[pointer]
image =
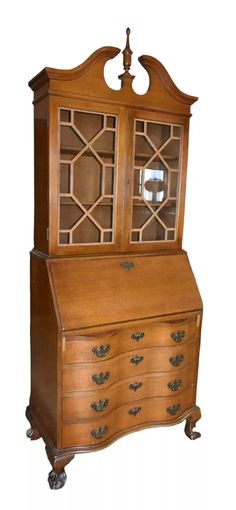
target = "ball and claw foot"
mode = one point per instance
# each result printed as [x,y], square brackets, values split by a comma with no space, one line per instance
[33,434]
[191,423]
[56,480]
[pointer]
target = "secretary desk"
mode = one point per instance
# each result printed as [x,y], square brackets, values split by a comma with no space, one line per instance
[115,309]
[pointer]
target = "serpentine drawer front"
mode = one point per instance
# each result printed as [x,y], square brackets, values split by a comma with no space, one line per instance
[115,309]
[145,334]
[91,376]
[79,405]
[150,410]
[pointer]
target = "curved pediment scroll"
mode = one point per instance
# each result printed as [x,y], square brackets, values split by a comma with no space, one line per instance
[93,64]
[87,82]
[159,76]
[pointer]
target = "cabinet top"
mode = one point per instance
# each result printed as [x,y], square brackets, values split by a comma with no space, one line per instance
[86,81]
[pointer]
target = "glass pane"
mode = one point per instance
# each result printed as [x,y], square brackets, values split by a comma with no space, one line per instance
[70,213]
[139,126]
[154,231]
[171,235]
[167,215]
[105,146]
[177,131]
[89,124]
[171,153]
[65,115]
[71,143]
[64,178]
[135,237]
[87,177]
[140,216]
[174,177]
[103,215]
[107,237]
[86,232]
[143,151]
[109,180]
[154,184]
[64,238]
[111,122]
[158,133]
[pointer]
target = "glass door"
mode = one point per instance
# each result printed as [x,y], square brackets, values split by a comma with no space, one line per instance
[87,178]
[156,181]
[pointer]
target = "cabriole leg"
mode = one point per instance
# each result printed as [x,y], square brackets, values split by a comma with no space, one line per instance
[191,423]
[32,433]
[57,477]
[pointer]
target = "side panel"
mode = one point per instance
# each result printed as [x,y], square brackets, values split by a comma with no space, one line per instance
[41,214]
[44,349]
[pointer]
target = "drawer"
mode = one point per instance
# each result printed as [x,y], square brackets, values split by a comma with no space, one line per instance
[93,376]
[150,334]
[144,412]
[93,404]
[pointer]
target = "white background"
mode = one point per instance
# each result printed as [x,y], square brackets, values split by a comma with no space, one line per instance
[156,468]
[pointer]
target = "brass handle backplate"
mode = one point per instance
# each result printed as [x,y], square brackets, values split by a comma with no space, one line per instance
[100,406]
[135,386]
[137,336]
[101,378]
[178,336]
[100,432]
[175,385]
[173,410]
[177,360]
[101,351]
[134,411]
[136,360]
[127,265]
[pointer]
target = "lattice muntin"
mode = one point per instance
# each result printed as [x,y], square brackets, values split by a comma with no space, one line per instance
[157,149]
[87,177]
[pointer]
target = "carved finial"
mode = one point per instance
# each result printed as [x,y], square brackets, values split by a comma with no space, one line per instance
[127,53]
[127,56]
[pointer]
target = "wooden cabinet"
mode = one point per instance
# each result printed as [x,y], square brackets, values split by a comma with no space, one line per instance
[115,309]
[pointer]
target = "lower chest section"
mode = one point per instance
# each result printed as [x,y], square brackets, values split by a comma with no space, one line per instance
[123,379]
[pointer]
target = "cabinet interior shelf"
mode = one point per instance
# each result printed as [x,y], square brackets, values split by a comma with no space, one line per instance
[102,152]
[73,150]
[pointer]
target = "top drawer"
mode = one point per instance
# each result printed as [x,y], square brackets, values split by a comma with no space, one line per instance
[145,334]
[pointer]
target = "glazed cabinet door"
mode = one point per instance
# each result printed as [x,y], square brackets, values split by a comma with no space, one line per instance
[87,156]
[156,171]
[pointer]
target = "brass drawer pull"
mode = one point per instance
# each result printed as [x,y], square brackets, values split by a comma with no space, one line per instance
[137,336]
[135,386]
[177,360]
[101,378]
[100,432]
[101,351]
[127,265]
[173,410]
[178,336]
[175,385]
[136,360]
[134,411]
[100,406]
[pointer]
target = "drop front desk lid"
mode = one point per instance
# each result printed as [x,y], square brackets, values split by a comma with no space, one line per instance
[106,290]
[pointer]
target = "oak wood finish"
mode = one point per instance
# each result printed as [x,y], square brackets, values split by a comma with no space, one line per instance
[153,333]
[152,409]
[77,405]
[78,377]
[115,315]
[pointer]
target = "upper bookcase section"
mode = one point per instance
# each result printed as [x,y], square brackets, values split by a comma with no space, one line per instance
[86,81]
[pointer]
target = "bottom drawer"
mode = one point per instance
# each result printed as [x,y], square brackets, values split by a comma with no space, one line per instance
[128,417]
